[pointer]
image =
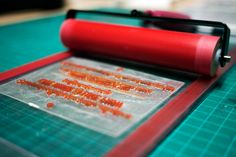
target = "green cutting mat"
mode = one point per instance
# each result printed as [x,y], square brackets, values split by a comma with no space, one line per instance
[209,131]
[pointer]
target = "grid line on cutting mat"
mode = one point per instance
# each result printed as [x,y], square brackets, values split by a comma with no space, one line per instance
[210,130]
[52,136]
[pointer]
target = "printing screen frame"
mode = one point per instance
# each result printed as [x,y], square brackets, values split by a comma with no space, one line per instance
[142,140]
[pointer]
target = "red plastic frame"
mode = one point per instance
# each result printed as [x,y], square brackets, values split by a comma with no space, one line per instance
[146,136]
[33,65]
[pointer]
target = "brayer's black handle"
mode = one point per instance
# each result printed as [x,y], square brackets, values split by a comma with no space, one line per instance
[225,34]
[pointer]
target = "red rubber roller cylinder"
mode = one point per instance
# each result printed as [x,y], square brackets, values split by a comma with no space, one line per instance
[186,51]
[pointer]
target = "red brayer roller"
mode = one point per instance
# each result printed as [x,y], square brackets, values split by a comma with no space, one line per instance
[192,52]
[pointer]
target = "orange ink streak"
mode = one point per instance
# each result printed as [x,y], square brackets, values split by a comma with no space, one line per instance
[50,91]
[88,87]
[123,77]
[55,85]
[50,105]
[119,69]
[71,97]
[109,83]
[115,112]
[82,93]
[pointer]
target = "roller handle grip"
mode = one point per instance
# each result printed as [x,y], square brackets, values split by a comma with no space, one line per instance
[169,26]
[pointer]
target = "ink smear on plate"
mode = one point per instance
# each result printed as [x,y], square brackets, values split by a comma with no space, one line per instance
[103,97]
